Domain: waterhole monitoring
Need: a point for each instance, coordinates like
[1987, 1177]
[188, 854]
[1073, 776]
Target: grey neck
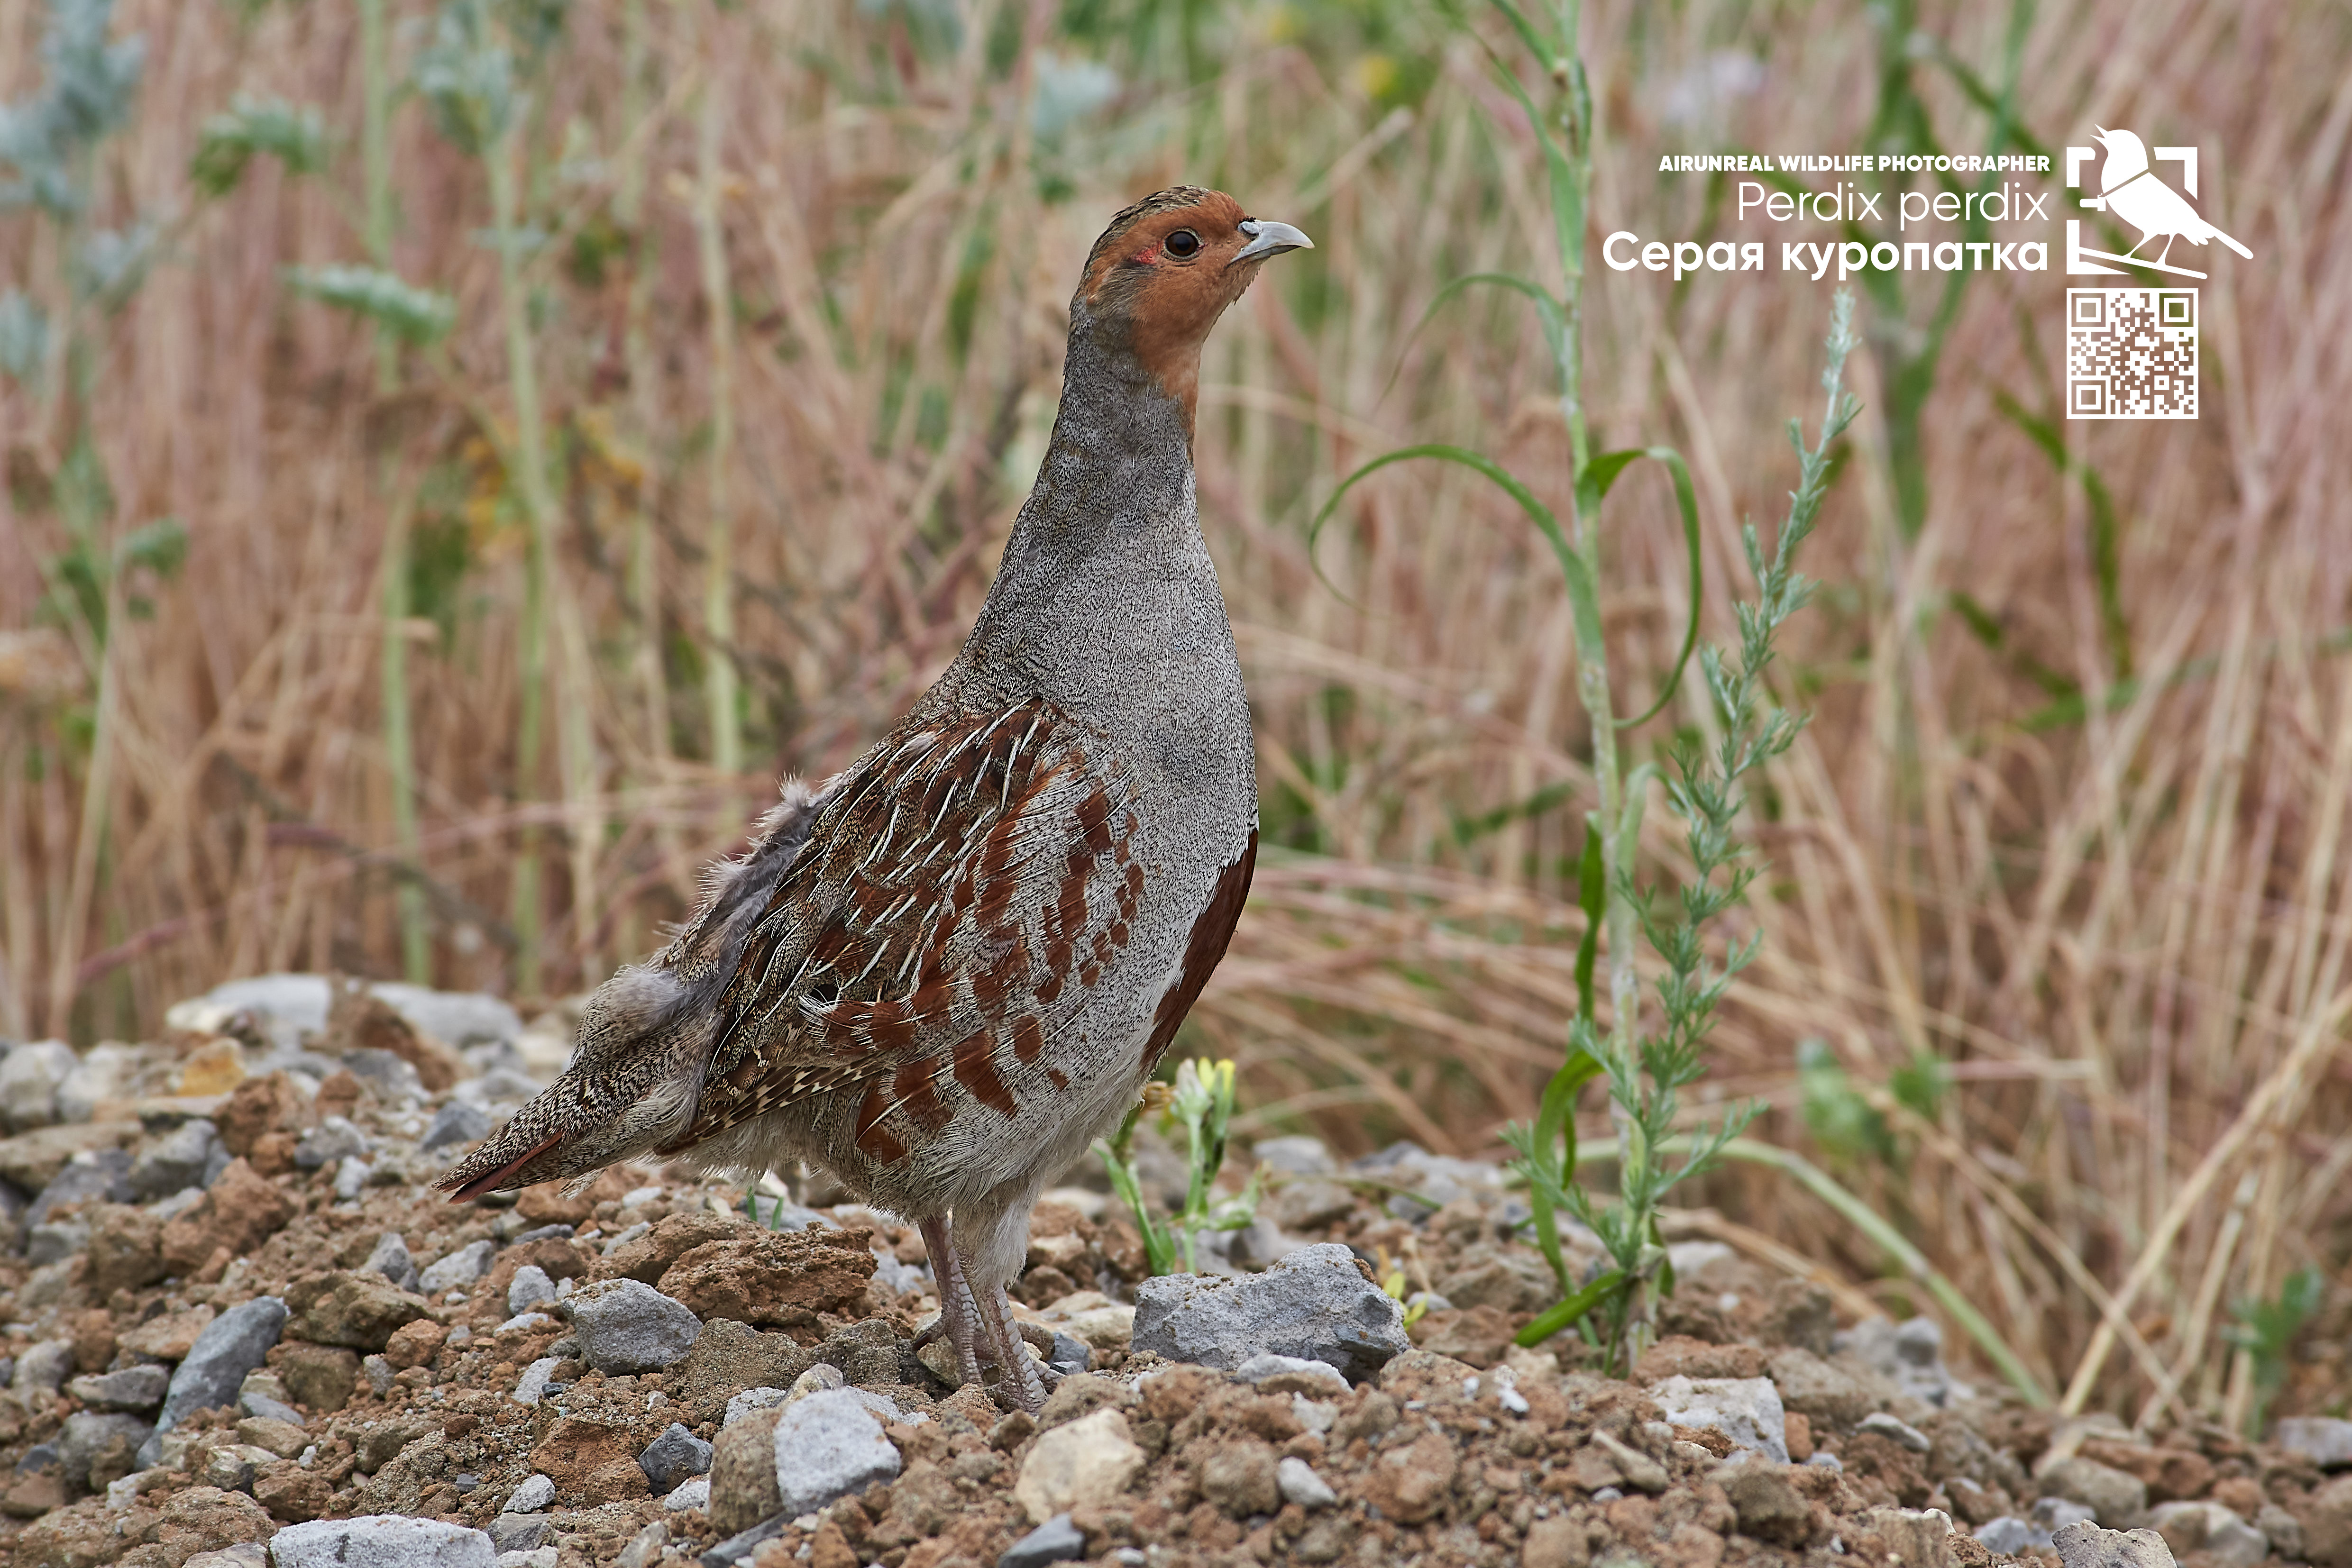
[1106, 568]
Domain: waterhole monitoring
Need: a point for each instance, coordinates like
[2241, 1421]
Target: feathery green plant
[1644, 1072]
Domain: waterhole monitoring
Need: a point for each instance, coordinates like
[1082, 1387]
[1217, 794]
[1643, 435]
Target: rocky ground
[240, 1329]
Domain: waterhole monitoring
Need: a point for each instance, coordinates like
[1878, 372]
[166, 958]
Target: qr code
[2131, 353]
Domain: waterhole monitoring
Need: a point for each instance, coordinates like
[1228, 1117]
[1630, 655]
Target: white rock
[381, 1541]
[692, 1494]
[752, 1399]
[535, 1493]
[30, 1077]
[1744, 1409]
[1084, 1463]
[459, 1269]
[2323, 1440]
[531, 1387]
[104, 1074]
[1300, 1484]
[829, 1446]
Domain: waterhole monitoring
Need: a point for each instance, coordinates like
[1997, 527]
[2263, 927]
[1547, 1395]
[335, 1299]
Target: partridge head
[944, 971]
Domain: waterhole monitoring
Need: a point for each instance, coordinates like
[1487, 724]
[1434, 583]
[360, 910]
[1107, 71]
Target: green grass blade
[1592, 486]
[1552, 1321]
[1582, 601]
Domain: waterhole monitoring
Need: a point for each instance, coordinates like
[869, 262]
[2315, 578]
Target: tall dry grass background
[2070, 820]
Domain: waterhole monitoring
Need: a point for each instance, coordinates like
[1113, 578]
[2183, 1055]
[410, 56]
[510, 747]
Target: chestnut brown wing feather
[958, 896]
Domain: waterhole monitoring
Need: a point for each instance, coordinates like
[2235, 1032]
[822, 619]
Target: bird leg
[959, 1314]
[1022, 1379]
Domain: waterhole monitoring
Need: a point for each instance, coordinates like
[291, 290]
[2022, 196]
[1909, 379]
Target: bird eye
[1183, 245]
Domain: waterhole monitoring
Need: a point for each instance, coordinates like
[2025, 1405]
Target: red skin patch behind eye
[1148, 257]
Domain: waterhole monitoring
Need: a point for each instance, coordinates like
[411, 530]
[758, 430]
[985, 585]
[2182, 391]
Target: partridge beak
[1267, 239]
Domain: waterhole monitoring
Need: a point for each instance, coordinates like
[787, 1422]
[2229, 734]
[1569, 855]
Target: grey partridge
[944, 971]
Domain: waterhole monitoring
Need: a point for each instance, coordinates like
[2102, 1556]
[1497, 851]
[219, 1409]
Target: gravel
[178, 1159]
[670, 1459]
[381, 1541]
[1056, 1541]
[233, 1344]
[459, 1269]
[391, 1259]
[535, 1493]
[30, 1077]
[626, 1325]
[1316, 1305]
[2324, 1440]
[132, 1389]
[458, 1122]
[827, 1445]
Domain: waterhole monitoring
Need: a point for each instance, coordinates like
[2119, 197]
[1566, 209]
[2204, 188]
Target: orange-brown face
[1168, 268]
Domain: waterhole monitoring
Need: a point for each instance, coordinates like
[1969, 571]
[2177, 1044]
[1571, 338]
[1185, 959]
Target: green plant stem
[1862, 1218]
[717, 596]
[531, 458]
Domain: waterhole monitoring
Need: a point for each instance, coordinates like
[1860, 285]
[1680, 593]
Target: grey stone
[628, 1326]
[30, 1076]
[744, 1542]
[457, 1018]
[1901, 1431]
[175, 1160]
[1294, 1374]
[689, 1494]
[286, 1006]
[674, 1457]
[1434, 1180]
[2212, 1529]
[2323, 1440]
[2086, 1545]
[54, 1242]
[532, 1497]
[1056, 1541]
[332, 1142]
[381, 1541]
[232, 1344]
[531, 1286]
[828, 1445]
[350, 1177]
[102, 1174]
[459, 1269]
[91, 1437]
[1818, 1389]
[2282, 1530]
[1296, 1155]
[1315, 1305]
[391, 1259]
[1070, 1354]
[1744, 1409]
[2010, 1536]
[559, 1232]
[756, 1399]
[42, 1369]
[458, 1122]
[518, 1531]
[1309, 1202]
[104, 1073]
[2055, 1513]
[531, 1387]
[390, 1076]
[644, 1548]
[270, 1409]
[1299, 1483]
[498, 1086]
[2116, 1499]
[134, 1388]
[1909, 1354]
